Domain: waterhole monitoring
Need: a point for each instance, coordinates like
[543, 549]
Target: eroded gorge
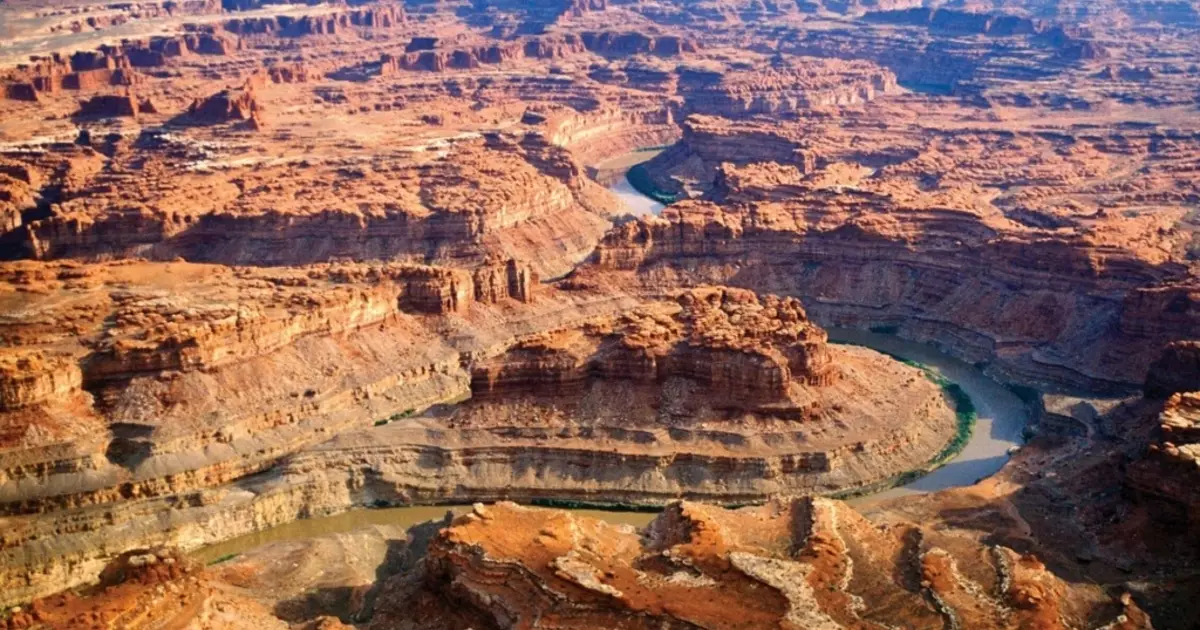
[888, 309]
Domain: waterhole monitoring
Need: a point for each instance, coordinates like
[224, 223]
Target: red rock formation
[111, 65]
[375, 17]
[500, 280]
[228, 105]
[806, 563]
[19, 184]
[83, 71]
[1176, 370]
[289, 73]
[428, 53]
[30, 378]
[743, 352]
[1033, 217]
[1167, 478]
[116, 105]
[21, 92]
[619, 44]
[144, 589]
[808, 84]
[527, 186]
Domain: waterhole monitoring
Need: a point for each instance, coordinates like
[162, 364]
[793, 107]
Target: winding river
[1001, 418]
[638, 204]
[635, 202]
[1001, 415]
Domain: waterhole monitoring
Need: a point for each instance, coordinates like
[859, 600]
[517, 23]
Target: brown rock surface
[244, 306]
[227, 105]
[1177, 369]
[145, 589]
[1166, 478]
[742, 352]
[165, 350]
[804, 563]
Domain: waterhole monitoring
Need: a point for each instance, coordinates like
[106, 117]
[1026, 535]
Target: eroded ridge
[740, 352]
[805, 563]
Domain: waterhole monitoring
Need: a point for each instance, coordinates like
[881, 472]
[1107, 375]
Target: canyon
[888, 310]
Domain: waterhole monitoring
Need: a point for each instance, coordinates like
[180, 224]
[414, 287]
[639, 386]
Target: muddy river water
[1001, 417]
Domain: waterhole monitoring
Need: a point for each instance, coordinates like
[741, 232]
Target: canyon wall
[537, 189]
[867, 279]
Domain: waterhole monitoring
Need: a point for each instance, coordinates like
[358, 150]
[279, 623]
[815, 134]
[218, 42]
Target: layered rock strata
[874, 238]
[528, 190]
[145, 589]
[1012, 188]
[173, 350]
[804, 563]
[368, 18]
[166, 405]
[743, 353]
[1166, 477]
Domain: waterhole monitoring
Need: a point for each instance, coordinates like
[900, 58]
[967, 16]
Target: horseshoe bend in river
[325, 272]
[1001, 417]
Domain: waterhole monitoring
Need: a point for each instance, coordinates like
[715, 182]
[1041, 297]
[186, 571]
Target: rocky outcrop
[437, 55]
[742, 353]
[20, 185]
[1177, 369]
[785, 196]
[359, 296]
[367, 346]
[115, 105]
[82, 71]
[802, 563]
[703, 234]
[157, 51]
[290, 73]
[332, 23]
[801, 86]
[1167, 478]
[30, 378]
[1068, 40]
[617, 44]
[143, 589]
[506, 279]
[961, 21]
[149, 339]
[434, 55]
[110, 65]
[523, 189]
[228, 105]
[946, 50]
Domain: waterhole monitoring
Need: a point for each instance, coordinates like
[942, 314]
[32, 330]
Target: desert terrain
[690, 314]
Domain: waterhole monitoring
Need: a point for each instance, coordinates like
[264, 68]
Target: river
[1001, 419]
[635, 202]
[1001, 415]
[638, 204]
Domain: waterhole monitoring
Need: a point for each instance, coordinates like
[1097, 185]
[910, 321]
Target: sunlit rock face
[267, 261]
